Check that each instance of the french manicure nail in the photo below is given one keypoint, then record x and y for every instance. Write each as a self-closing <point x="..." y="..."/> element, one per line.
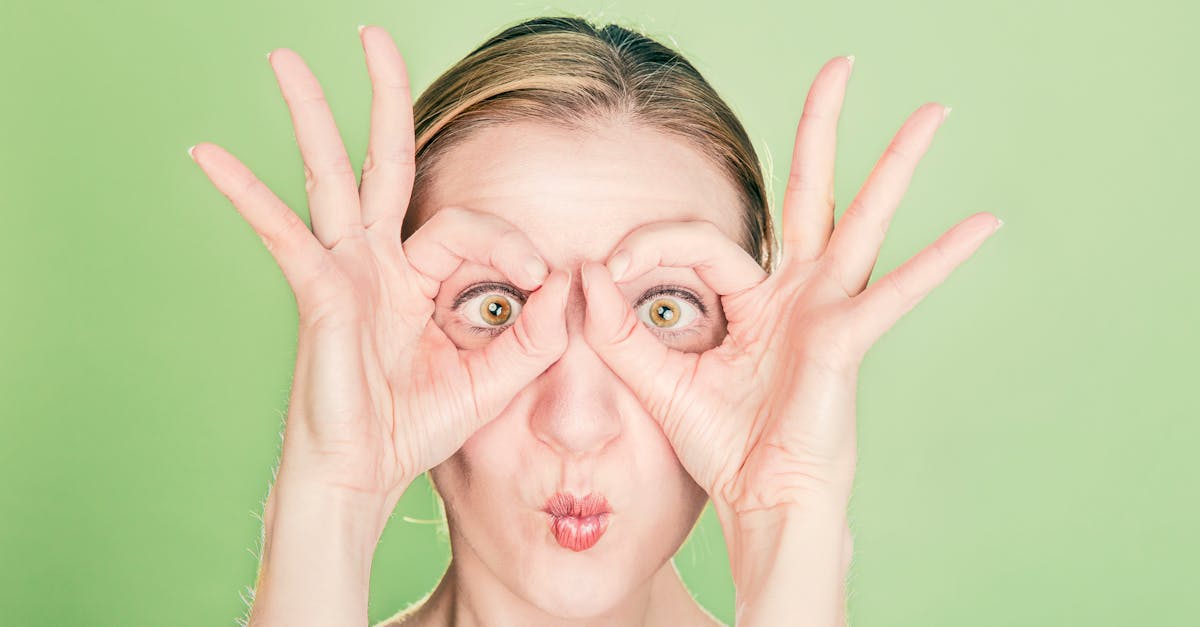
<point x="850" y="58"/>
<point x="190" y="151"/>
<point x="618" y="264"/>
<point x="999" y="223"/>
<point x="946" y="113"/>
<point x="360" y="28"/>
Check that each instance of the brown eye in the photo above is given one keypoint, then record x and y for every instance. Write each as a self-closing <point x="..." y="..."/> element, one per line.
<point x="495" y="309"/>
<point x="669" y="310"/>
<point x="664" y="312"/>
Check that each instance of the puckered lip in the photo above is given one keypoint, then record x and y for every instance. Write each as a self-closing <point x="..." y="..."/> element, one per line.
<point x="562" y="504"/>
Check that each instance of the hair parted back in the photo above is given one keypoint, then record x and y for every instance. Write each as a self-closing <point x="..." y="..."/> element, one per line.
<point x="565" y="72"/>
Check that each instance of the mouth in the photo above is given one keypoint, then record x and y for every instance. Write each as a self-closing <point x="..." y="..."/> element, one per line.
<point x="577" y="524"/>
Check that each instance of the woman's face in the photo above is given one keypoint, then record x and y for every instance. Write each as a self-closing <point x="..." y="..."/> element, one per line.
<point x="577" y="428"/>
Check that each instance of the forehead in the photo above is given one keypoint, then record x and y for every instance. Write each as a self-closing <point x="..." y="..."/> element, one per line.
<point x="576" y="193"/>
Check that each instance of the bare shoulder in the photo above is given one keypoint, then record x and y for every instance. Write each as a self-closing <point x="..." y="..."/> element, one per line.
<point x="406" y="617"/>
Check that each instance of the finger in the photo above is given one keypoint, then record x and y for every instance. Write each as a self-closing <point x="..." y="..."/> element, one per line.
<point x="698" y="244"/>
<point x="855" y="243"/>
<point x="883" y="303"/>
<point x="524" y="350"/>
<point x="329" y="177"/>
<point x="652" y="371"/>
<point x="298" y="253"/>
<point x="455" y="234"/>
<point x="388" y="170"/>
<point x="808" y="201"/>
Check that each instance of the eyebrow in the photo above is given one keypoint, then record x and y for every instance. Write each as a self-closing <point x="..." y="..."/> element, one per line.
<point x="488" y="286"/>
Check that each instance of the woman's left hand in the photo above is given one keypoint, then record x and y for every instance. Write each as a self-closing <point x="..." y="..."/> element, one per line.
<point x="766" y="419"/>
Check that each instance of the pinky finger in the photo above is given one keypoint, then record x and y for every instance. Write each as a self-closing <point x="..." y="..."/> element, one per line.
<point x="881" y="305"/>
<point x="286" y="236"/>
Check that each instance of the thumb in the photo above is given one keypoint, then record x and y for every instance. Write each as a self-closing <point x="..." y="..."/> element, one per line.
<point x="652" y="371"/>
<point x="523" y="351"/>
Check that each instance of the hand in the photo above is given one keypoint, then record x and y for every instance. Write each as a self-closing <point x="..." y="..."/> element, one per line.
<point x="766" y="419"/>
<point x="380" y="393"/>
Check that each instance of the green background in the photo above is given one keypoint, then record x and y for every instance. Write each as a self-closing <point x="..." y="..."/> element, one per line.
<point x="1027" y="433"/>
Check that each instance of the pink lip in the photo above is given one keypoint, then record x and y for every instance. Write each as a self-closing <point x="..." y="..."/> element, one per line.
<point x="577" y="524"/>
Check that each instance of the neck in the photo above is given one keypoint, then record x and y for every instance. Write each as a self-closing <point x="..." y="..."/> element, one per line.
<point x="478" y="599"/>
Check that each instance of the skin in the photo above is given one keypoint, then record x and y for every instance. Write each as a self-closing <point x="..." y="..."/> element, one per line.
<point x="755" y="412"/>
<point x="577" y="427"/>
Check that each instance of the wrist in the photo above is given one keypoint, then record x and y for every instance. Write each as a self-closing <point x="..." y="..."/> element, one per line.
<point x="353" y="520"/>
<point x="318" y="546"/>
<point x="788" y="560"/>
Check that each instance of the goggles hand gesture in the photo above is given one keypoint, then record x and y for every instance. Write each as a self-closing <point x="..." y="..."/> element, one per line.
<point x="380" y="393"/>
<point x="767" y="419"/>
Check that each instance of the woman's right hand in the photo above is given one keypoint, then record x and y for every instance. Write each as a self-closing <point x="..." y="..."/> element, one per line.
<point x="380" y="393"/>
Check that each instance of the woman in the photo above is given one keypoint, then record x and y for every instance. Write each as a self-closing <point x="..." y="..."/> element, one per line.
<point x="574" y="429"/>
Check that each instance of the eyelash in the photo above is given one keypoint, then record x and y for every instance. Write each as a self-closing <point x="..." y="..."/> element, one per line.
<point x="660" y="290"/>
<point x="678" y="292"/>
<point x="488" y="288"/>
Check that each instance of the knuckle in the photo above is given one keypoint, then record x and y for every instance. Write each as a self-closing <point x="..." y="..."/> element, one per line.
<point x="898" y="284"/>
<point x="310" y="182"/>
<point x="940" y="254"/>
<point x="448" y="215"/>
<point x="811" y="111"/>
<point x="397" y="156"/>
<point x="277" y="237"/>
<point x="510" y="243"/>
<point x="524" y="339"/>
<point x="707" y="227"/>
<point x="316" y="98"/>
<point x="338" y="165"/>
<point x="393" y="158"/>
<point x="799" y="179"/>
<point x="393" y="85"/>
<point x="253" y="186"/>
<point x="896" y="151"/>
<point x="333" y="168"/>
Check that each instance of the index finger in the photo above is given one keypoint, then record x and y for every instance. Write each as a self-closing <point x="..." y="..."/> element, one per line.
<point x="698" y="244"/>
<point x="455" y="234"/>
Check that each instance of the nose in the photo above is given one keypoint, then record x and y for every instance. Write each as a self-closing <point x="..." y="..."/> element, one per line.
<point x="576" y="410"/>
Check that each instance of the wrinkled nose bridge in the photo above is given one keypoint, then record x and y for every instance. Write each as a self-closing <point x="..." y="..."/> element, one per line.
<point x="576" y="409"/>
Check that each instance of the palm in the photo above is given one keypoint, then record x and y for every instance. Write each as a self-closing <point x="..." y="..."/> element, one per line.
<point x="769" y="414"/>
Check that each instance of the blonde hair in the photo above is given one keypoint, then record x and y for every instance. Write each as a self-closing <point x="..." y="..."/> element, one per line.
<point x="565" y="72"/>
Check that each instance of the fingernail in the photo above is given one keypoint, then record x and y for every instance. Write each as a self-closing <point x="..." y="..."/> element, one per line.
<point x="850" y="58"/>
<point x="999" y="223"/>
<point x="567" y="291"/>
<point x="583" y="279"/>
<point x="536" y="269"/>
<point x="618" y="264"/>
<point x="269" y="55"/>
<point x="946" y="113"/>
<point x="360" y="28"/>
<point x="190" y="150"/>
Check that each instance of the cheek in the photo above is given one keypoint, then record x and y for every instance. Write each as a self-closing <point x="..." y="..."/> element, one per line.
<point x="492" y="454"/>
<point x="658" y="479"/>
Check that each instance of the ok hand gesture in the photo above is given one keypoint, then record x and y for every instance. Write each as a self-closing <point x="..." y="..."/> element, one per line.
<point x="766" y="420"/>
<point x="380" y="393"/>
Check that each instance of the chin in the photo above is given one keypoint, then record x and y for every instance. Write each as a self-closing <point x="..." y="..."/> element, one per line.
<point x="578" y="594"/>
